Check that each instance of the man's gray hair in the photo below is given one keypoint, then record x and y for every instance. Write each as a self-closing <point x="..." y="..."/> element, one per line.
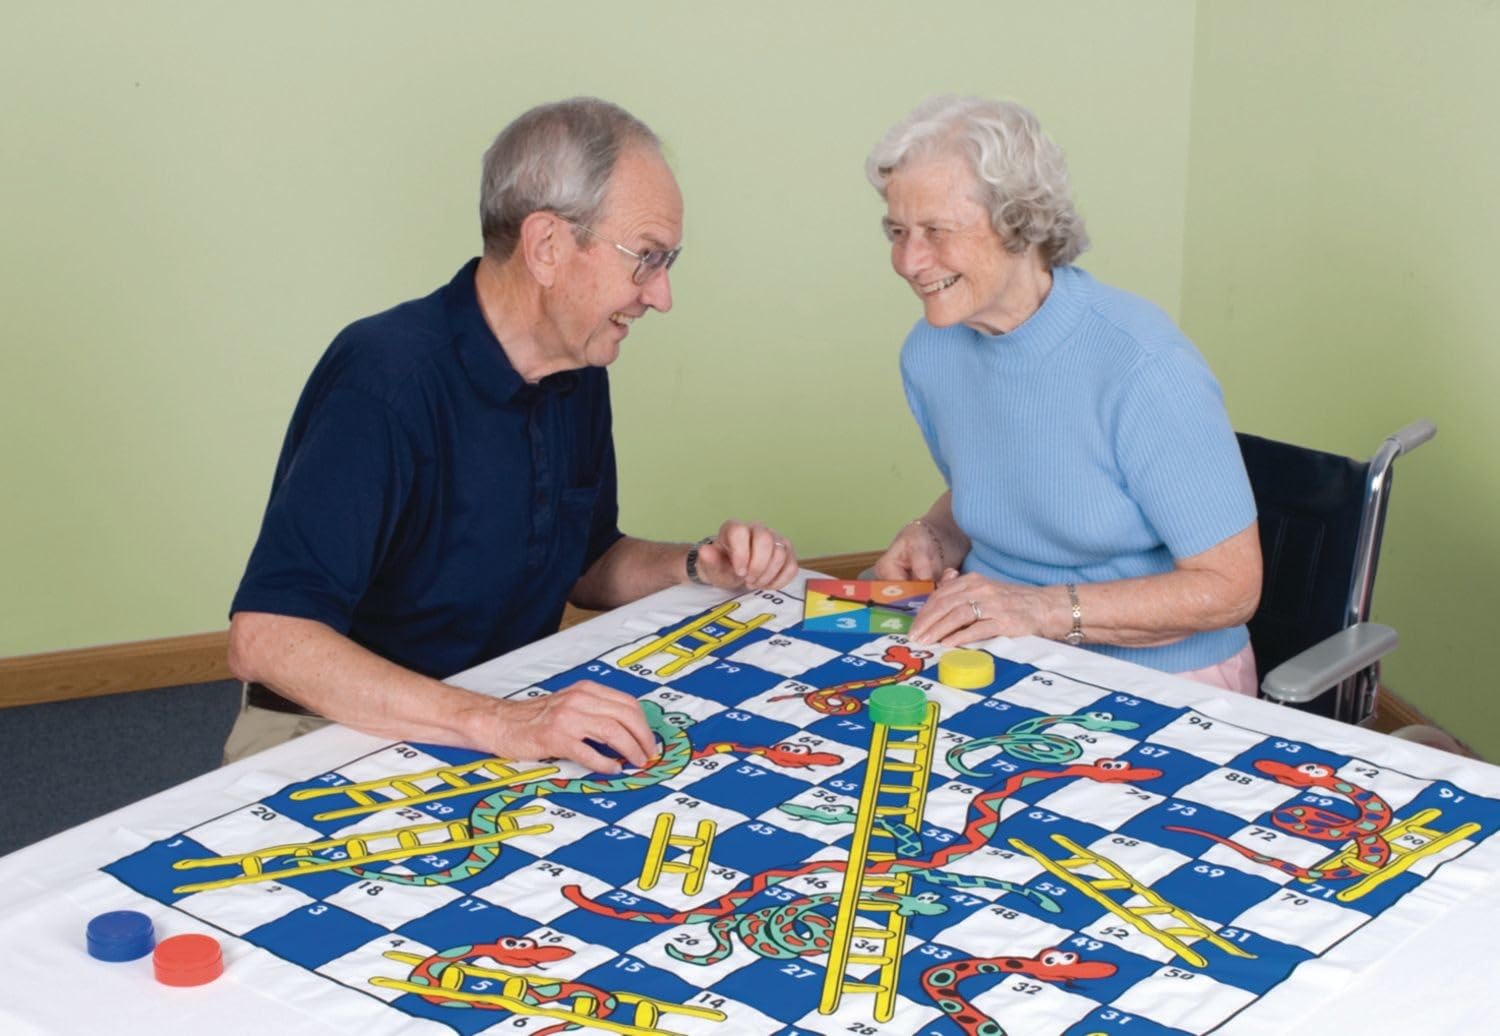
<point x="1022" y="174"/>
<point x="554" y="158"/>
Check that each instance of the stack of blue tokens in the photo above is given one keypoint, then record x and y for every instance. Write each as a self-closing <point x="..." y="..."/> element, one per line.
<point x="121" y="935"/>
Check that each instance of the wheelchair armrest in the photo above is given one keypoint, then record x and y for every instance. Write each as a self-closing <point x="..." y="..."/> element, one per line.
<point x="1329" y="662"/>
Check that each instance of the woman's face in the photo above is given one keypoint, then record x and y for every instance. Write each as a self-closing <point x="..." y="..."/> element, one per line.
<point x="943" y="245"/>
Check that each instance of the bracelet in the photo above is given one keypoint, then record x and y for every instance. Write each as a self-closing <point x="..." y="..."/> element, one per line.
<point x="942" y="561"/>
<point x="1075" y="635"/>
<point x="692" y="561"/>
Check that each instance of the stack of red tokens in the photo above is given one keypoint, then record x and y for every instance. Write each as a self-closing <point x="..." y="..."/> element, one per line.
<point x="187" y="960"/>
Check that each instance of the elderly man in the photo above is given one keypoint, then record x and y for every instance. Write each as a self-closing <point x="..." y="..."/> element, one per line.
<point x="448" y="479"/>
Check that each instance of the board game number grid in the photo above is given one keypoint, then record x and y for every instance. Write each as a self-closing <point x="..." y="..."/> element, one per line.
<point x="1084" y="861"/>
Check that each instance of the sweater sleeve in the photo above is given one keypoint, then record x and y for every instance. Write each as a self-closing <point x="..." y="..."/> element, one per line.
<point x="911" y="379"/>
<point x="1179" y="456"/>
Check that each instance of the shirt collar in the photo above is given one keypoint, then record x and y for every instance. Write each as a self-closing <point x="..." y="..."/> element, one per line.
<point x="1053" y="321"/>
<point x="481" y="354"/>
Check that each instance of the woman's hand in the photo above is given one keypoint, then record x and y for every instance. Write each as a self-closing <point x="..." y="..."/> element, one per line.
<point x="926" y="546"/>
<point x="966" y="609"/>
<point x="915" y="553"/>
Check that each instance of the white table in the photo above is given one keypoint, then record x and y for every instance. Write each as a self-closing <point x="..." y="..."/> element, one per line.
<point x="1427" y="970"/>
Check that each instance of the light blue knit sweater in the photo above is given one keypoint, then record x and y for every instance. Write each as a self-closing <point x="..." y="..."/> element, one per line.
<point x="1088" y="444"/>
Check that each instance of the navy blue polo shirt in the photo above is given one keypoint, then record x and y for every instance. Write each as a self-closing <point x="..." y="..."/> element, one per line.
<point x="428" y="503"/>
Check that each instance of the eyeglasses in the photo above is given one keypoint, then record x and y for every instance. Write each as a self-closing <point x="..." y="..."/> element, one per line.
<point x="647" y="263"/>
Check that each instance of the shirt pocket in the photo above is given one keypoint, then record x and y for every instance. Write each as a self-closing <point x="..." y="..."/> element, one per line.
<point x="575" y="522"/>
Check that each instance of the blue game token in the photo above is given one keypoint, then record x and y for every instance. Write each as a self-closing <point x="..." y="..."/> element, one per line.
<point x="121" y="935"/>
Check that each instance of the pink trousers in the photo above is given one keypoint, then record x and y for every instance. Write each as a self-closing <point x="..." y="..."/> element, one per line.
<point x="1236" y="673"/>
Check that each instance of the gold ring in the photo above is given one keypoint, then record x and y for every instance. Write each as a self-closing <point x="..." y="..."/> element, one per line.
<point x="974" y="607"/>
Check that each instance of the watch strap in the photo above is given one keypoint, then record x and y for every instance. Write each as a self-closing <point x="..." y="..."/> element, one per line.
<point x="692" y="561"/>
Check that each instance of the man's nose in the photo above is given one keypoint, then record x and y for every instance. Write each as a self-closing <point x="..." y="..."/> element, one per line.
<point x="657" y="291"/>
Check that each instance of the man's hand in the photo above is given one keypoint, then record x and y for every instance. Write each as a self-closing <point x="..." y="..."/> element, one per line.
<point x="749" y="555"/>
<point x="560" y="725"/>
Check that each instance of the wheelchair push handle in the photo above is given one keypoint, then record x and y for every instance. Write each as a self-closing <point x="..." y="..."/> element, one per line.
<point x="1413" y="435"/>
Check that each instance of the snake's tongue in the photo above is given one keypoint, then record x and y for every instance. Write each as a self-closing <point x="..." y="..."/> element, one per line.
<point x="532" y="956"/>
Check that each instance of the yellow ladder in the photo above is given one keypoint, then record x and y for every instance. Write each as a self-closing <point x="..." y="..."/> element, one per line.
<point x="1187" y="926"/>
<point x="361" y="849"/>
<point x="663" y="840"/>
<point x="898" y="769"/>
<point x="693" y="629"/>
<point x="582" y="1009"/>
<point x="1402" y="856"/>
<point x="406" y="789"/>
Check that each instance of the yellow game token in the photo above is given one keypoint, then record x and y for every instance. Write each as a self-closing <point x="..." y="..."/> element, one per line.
<point x="967" y="670"/>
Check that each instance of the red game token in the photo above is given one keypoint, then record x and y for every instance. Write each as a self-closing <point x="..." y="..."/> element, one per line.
<point x="188" y="960"/>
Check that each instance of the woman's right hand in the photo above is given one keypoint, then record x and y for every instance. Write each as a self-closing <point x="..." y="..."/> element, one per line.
<point x="915" y="553"/>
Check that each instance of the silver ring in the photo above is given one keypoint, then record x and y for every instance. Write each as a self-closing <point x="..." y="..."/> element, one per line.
<point x="974" y="607"/>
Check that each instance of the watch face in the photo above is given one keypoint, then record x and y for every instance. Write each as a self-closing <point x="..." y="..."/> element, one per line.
<point x="1075" y="638"/>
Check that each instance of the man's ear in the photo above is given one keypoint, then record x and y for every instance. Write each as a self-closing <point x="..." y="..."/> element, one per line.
<point x="541" y="246"/>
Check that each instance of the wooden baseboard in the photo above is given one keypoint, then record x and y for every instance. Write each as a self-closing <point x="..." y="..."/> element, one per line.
<point x="843" y="566"/>
<point x="114" y="668"/>
<point x="145" y="665"/>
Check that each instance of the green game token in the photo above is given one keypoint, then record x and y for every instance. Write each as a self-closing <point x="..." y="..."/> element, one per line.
<point x="898" y="706"/>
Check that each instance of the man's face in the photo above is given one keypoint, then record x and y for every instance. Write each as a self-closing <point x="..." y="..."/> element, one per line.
<point x="943" y="245"/>
<point x="596" y="298"/>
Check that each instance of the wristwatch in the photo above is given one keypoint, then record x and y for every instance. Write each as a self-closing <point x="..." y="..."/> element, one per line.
<point x="692" y="561"/>
<point x="1075" y="635"/>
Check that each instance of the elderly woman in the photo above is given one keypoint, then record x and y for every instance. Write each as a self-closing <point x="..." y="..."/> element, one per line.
<point x="1095" y="489"/>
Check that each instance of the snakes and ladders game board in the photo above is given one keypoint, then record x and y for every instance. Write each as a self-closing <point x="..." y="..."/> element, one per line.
<point x="1042" y="855"/>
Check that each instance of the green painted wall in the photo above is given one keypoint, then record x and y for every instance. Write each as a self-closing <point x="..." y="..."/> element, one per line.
<point x="196" y="197"/>
<point x="1341" y="232"/>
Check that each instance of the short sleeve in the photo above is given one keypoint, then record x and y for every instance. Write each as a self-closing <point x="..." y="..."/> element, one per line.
<point x="334" y="513"/>
<point x="1179" y="456"/>
<point x="917" y="404"/>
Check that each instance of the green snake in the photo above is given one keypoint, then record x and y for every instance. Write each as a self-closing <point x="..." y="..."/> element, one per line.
<point x="1366" y="830"/>
<point x="783" y="931"/>
<point x="1029" y="741"/>
<point x="985" y="818"/>
<point x="676" y="752"/>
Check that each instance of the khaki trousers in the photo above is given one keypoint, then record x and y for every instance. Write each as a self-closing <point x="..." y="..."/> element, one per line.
<point x="259" y="729"/>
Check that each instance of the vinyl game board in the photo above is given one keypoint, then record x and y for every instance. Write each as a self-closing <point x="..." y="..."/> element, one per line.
<point x="1041" y="856"/>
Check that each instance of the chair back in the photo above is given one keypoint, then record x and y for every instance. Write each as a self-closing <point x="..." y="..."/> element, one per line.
<point x="1312" y="505"/>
